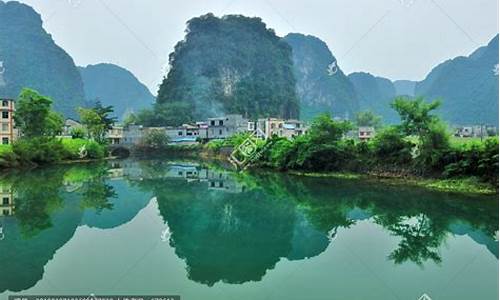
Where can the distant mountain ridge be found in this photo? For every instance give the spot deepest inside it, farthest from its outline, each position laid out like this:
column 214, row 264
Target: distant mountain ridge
column 468, row 86
column 375, row 94
column 113, row 85
column 30, row 58
column 318, row 90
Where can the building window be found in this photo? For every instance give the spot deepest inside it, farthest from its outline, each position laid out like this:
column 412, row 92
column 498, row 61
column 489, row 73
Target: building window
column 5, row 114
column 220, row 131
column 5, row 141
column 5, row 201
column 221, row 122
column 273, row 126
column 5, row 103
column 179, row 133
column 5, row 127
column 6, row 212
column 212, row 123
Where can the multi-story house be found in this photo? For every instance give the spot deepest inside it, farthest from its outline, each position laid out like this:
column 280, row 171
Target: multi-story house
column 366, row 133
column 115, row 135
column 186, row 133
column 224, row 127
column 266, row 128
column 7, row 131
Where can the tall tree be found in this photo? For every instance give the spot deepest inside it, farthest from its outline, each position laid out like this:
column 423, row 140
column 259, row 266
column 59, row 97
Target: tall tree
column 34, row 116
column 97, row 121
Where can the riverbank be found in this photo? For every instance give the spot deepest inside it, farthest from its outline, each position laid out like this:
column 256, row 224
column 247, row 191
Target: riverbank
column 466, row 185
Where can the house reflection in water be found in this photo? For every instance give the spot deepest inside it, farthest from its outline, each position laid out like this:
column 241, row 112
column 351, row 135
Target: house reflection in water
column 219, row 180
column 7, row 200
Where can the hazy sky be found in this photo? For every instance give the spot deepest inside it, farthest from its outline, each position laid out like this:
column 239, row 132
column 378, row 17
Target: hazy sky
column 397, row 39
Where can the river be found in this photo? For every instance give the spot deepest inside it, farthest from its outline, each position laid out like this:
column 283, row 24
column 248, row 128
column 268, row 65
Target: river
column 157, row 227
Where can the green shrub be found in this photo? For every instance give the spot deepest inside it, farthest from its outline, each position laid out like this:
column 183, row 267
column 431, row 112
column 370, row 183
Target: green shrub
column 8, row 158
column 81, row 148
column 39, row 150
column 389, row 145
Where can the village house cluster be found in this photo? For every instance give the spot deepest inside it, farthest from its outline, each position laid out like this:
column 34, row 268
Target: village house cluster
column 210, row 129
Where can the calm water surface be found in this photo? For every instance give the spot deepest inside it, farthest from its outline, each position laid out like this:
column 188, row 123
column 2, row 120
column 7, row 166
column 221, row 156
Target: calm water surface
column 182, row 228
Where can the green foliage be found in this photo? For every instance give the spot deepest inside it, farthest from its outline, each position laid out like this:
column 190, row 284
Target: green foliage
column 83, row 149
column 326, row 130
column 473, row 159
column 39, row 150
column 420, row 146
column 368, row 119
column 97, row 121
column 415, row 114
column 34, row 116
column 77, row 133
column 243, row 68
column 167, row 114
column 390, row 145
column 154, row 140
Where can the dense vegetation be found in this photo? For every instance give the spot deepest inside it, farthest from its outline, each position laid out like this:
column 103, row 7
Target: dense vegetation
column 468, row 87
column 232, row 64
column 420, row 146
column 115, row 86
column 31, row 58
column 40, row 126
column 318, row 90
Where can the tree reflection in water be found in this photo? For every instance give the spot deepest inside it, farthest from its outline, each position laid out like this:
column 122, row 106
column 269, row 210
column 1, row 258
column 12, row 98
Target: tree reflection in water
column 229, row 227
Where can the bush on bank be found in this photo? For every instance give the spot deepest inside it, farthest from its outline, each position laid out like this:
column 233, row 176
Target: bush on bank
column 47, row 150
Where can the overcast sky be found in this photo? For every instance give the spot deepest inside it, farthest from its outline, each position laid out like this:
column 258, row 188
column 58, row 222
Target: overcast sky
column 397, row 39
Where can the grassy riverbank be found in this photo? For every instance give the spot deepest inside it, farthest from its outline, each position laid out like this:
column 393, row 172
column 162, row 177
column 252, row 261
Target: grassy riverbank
column 467, row 185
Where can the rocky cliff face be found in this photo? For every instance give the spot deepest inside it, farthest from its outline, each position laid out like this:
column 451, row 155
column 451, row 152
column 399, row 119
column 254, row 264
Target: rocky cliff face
column 321, row 84
column 232, row 64
column 30, row 58
column 375, row 94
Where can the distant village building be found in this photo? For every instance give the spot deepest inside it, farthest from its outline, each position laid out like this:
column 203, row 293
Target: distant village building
column 475, row 131
column 185, row 134
column 69, row 126
column 115, row 135
column 366, row 133
column 268, row 127
column 224, row 127
column 213, row 128
column 7, row 131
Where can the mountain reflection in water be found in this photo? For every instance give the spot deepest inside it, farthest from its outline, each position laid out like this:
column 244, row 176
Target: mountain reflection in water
column 227, row 227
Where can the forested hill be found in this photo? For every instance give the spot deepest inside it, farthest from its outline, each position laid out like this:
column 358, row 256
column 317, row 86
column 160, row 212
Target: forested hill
column 468, row 86
column 116, row 86
column 30, row 58
column 375, row 94
column 318, row 89
column 232, row 64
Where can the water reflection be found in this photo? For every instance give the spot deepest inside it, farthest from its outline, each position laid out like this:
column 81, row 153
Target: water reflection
column 229, row 227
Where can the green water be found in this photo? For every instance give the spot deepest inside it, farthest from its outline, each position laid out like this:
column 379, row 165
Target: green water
column 180, row 228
